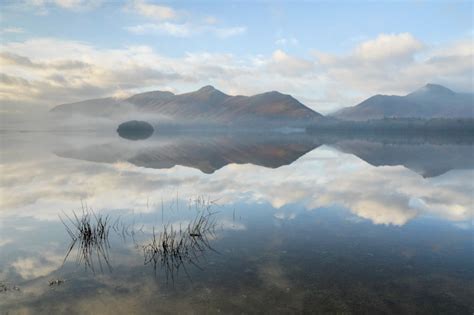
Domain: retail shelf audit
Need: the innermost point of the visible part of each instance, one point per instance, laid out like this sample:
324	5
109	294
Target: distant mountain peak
435	88
208	88
274	94
152	94
208	91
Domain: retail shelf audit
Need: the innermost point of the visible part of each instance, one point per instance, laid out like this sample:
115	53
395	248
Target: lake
205	223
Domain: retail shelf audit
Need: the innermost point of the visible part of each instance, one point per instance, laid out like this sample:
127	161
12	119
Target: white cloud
388	47
396	64
65	4
4	242
38	69
155	11
171	29
229	31
185	24
286	41
50	71
184	30
289	65
12	30
459	48
211	20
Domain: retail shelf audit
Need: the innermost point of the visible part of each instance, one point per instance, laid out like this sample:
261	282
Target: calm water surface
289	224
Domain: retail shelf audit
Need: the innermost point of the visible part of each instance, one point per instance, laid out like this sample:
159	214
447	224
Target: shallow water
298	224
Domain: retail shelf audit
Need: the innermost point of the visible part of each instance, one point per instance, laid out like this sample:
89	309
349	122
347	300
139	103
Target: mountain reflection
317	178
205	153
209	153
426	159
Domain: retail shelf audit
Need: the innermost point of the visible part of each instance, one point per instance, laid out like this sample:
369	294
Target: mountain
100	107
206	105
430	101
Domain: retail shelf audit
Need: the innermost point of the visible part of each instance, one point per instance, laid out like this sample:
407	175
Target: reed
172	249
89	234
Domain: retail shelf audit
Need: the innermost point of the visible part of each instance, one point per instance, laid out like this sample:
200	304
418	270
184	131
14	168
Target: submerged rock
135	130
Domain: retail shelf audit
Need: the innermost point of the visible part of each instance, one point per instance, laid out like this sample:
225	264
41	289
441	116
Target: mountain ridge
427	102
205	104
209	105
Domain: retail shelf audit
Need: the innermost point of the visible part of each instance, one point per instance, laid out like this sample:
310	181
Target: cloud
13	81
48	71
184	30
286	41
211	20
154	11
171	29
229	31
12	30
7	58
396	64
388	48
285	64
43	76
4	242
185	24
64	4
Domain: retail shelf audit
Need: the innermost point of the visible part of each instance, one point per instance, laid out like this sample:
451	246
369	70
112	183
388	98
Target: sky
327	54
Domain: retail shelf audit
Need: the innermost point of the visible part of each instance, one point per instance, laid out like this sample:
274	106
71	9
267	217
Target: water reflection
208	153
171	246
310	262
306	224
424	158
321	177
173	249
